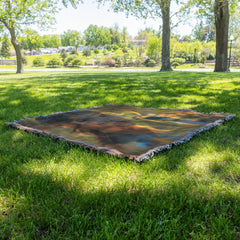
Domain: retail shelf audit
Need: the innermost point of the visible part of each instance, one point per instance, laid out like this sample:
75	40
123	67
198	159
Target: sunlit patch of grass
52	190
5	207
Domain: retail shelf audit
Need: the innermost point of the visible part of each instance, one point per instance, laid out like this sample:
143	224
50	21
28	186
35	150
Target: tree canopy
234	25
97	36
22	13
5	49
71	38
17	15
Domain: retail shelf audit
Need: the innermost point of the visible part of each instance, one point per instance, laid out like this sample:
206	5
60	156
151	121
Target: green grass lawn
52	190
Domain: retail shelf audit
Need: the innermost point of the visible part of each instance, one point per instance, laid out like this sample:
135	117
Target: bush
105	52
96	50
109	61
180	54
131	46
68	60
118	52
125	50
76	62
74	51
138	62
119	60
109	48
150	62
97	62
175	64
73	61
153	48
203	59
54	62
86	52
130	63
63	54
122	45
24	60
178	60
115	46
38	62
126	59
235	55
195	56
211	57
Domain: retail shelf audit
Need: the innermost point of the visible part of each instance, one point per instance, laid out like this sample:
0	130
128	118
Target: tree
97	36
205	32
124	35
72	38
144	9
154	48
15	15
144	35
31	41
221	10
63	54
115	35
165	9
51	41
234	25
186	38
5	49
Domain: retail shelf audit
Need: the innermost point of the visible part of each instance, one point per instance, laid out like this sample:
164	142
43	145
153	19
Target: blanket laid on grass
125	131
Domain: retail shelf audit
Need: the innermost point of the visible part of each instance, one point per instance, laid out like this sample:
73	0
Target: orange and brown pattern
137	133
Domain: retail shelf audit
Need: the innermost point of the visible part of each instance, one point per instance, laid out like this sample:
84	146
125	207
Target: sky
88	13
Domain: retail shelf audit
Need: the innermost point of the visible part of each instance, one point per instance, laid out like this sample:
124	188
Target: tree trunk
17	48
221	12
165	8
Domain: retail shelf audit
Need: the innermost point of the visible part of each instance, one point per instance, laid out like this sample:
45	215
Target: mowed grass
52	190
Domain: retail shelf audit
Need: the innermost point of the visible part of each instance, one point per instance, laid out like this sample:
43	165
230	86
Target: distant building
82	48
67	48
137	43
48	50
33	52
102	47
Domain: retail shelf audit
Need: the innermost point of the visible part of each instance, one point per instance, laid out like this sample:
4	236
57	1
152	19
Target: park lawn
52	190
8	67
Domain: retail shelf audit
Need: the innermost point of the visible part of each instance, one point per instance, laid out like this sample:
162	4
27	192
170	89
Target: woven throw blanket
122	130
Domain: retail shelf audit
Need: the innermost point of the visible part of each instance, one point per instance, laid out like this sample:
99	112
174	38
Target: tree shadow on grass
43	205
74	90
39	95
62	93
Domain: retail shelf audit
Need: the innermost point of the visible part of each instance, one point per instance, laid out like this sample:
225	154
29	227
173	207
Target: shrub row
76	61
71	61
121	61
